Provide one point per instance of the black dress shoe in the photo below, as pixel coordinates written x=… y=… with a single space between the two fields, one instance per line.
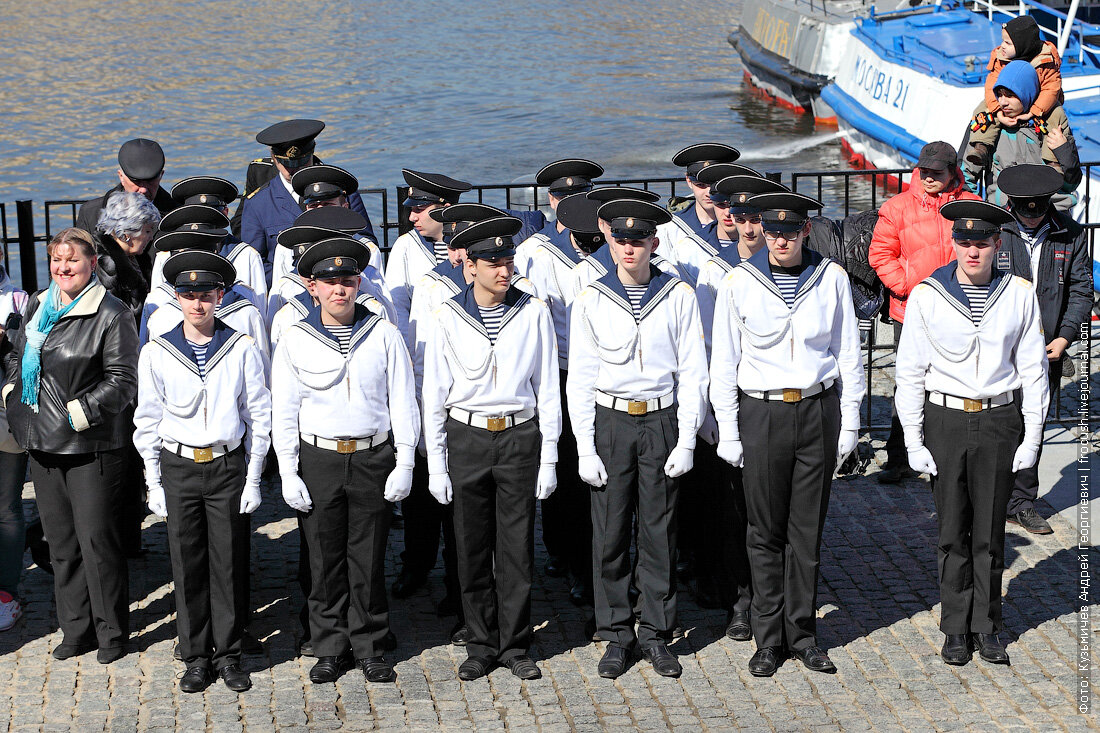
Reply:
x=407 y=583
x=580 y=594
x=664 y=662
x=814 y=659
x=460 y=634
x=556 y=567
x=956 y=649
x=389 y=642
x=474 y=668
x=250 y=645
x=739 y=627
x=377 y=669
x=449 y=606
x=523 y=667
x=235 y=678
x=305 y=648
x=109 y=654
x=68 y=650
x=614 y=661
x=329 y=669
x=991 y=649
x=766 y=661
x=1030 y=520
x=195 y=679
x=894 y=474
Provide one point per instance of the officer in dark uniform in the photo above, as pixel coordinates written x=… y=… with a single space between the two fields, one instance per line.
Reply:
x=140 y=168
x=274 y=206
x=1049 y=248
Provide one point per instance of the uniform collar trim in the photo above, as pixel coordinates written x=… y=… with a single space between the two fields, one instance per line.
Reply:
x=364 y=323
x=216 y=349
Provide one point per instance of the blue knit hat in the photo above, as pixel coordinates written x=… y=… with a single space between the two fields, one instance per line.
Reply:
x=1019 y=77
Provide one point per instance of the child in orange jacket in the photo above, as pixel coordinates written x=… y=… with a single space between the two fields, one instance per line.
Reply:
x=1020 y=39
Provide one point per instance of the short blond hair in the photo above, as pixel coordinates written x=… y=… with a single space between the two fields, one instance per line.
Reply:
x=74 y=237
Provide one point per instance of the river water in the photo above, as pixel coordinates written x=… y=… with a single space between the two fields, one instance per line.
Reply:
x=485 y=91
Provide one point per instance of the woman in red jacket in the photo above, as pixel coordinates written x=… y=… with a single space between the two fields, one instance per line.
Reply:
x=910 y=241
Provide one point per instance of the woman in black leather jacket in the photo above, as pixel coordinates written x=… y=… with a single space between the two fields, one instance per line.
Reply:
x=69 y=378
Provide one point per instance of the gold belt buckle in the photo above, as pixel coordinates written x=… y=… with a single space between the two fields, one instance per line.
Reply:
x=637 y=408
x=345 y=446
x=792 y=395
x=204 y=455
x=496 y=424
x=970 y=405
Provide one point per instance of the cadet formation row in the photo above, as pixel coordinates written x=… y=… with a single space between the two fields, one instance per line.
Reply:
x=494 y=361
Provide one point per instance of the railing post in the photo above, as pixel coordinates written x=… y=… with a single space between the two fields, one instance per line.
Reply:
x=28 y=261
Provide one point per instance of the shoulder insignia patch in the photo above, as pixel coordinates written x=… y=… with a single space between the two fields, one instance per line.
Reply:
x=1024 y=282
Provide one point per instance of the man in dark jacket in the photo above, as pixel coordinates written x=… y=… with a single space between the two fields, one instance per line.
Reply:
x=140 y=168
x=1048 y=248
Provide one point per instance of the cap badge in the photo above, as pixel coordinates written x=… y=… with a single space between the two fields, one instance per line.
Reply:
x=598 y=238
x=202 y=199
x=316 y=187
x=782 y=215
x=194 y=227
x=293 y=151
x=742 y=198
x=630 y=222
x=339 y=261
x=706 y=163
x=499 y=241
x=1031 y=204
x=568 y=181
x=969 y=223
x=194 y=276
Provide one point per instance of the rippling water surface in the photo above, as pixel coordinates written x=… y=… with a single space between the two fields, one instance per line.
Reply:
x=486 y=91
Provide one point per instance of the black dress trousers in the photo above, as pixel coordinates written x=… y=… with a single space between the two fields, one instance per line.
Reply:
x=208 y=537
x=424 y=518
x=566 y=522
x=790 y=456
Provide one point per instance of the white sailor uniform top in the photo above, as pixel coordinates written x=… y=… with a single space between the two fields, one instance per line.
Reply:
x=600 y=262
x=549 y=234
x=759 y=343
x=163 y=313
x=660 y=353
x=301 y=304
x=284 y=258
x=245 y=260
x=411 y=258
x=942 y=352
x=290 y=286
x=326 y=394
x=465 y=370
x=551 y=271
x=218 y=406
x=706 y=288
x=685 y=241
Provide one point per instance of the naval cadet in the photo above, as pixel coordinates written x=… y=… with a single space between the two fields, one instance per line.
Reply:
x=1049 y=248
x=417 y=251
x=786 y=385
x=685 y=235
x=637 y=395
x=202 y=426
x=561 y=178
x=140 y=168
x=345 y=426
x=717 y=509
x=973 y=341
x=492 y=418
x=218 y=193
x=274 y=206
x=566 y=517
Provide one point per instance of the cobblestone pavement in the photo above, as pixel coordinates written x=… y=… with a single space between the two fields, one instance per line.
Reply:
x=878 y=614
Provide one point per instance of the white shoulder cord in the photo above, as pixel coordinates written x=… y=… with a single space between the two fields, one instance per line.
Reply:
x=476 y=372
x=955 y=357
x=321 y=387
x=182 y=411
x=605 y=353
x=759 y=340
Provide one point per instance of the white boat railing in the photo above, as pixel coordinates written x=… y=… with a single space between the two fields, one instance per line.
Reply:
x=1067 y=23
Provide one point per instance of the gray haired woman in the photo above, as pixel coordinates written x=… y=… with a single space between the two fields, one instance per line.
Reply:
x=126 y=226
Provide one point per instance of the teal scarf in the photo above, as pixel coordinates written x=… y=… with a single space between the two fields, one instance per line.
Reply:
x=37 y=330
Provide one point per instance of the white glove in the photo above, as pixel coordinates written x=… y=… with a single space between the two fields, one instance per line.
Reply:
x=295 y=493
x=156 y=501
x=708 y=431
x=679 y=462
x=399 y=483
x=1026 y=456
x=732 y=453
x=591 y=470
x=439 y=484
x=846 y=444
x=547 y=481
x=920 y=460
x=250 y=499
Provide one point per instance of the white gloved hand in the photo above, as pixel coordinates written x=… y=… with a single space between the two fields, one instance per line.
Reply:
x=708 y=431
x=399 y=483
x=156 y=501
x=846 y=444
x=732 y=453
x=679 y=462
x=439 y=484
x=250 y=499
x=547 y=481
x=295 y=493
x=920 y=460
x=1026 y=456
x=592 y=471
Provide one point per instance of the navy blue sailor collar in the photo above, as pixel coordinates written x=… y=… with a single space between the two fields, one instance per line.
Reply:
x=219 y=345
x=514 y=300
x=946 y=280
x=561 y=241
x=363 y=323
x=691 y=217
x=813 y=267
x=659 y=286
x=731 y=255
x=446 y=271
